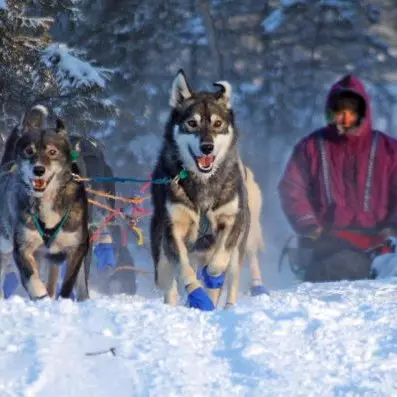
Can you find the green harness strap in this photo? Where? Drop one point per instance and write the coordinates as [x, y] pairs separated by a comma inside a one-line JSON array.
[[49, 235]]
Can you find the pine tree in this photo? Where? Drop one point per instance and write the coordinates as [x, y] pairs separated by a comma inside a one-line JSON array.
[[34, 68]]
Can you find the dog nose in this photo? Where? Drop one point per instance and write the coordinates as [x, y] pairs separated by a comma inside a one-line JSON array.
[[39, 170], [207, 147]]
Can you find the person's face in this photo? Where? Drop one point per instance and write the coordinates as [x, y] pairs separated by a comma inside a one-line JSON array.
[[346, 114], [346, 118]]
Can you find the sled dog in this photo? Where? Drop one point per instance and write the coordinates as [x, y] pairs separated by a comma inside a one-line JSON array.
[[43, 217], [199, 156]]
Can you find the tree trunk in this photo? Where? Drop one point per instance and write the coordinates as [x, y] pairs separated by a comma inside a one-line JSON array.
[[213, 40]]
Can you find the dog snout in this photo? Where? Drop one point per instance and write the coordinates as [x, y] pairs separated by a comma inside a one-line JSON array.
[[207, 147], [38, 170]]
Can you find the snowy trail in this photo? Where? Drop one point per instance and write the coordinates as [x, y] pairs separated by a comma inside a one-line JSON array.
[[326, 340]]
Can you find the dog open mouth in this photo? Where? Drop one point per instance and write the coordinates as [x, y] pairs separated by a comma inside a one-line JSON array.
[[204, 162], [40, 184]]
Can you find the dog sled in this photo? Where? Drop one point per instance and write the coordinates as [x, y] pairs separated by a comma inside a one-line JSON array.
[[349, 255]]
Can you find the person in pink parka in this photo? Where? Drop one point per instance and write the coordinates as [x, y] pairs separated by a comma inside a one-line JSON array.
[[339, 188]]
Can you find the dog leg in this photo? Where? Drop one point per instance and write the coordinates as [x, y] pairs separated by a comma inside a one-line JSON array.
[[28, 270], [74, 265], [214, 294], [254, 269], [171, 294], [197, 296], [166, 280], [255, 242], [52, 281], [82, 284], [182, 219], [5, 264], [257, 287], [214, 273], [233, 279]]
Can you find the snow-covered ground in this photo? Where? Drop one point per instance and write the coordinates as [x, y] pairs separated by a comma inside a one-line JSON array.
[[311, 340]]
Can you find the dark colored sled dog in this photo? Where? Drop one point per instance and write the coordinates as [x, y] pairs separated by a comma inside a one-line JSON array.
[[200, 139], [44, 214]]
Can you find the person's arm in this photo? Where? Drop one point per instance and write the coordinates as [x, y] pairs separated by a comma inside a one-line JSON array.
[[294, 188], [388, 228]]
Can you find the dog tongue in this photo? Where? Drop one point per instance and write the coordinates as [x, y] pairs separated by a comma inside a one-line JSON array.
[[205, 161], [38, 183]]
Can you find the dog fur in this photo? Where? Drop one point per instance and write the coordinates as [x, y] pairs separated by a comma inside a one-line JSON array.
[[255, 240], [37, 194], [200, 137]]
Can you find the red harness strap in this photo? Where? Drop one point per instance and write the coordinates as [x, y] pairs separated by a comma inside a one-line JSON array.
[[363, 241]]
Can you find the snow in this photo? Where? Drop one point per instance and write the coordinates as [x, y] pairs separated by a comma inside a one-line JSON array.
[[336, 339], [36, 23], [72, 71]]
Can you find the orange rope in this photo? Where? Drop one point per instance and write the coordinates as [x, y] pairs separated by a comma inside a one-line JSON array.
[[95, 234], [104, 206], [114, 212], [101, 193], [128, 267]]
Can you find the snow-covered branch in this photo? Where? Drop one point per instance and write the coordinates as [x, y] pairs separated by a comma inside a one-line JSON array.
[[71, 71]]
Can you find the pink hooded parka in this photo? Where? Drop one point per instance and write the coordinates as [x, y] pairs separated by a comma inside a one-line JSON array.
[[342, 181]]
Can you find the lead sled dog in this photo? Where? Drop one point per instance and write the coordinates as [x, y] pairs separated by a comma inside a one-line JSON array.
[[208, 187]]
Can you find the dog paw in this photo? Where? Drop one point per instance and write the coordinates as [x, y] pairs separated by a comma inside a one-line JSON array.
[[211, 282], [39, 298], [259, 290], [198, 299], [58, 294]]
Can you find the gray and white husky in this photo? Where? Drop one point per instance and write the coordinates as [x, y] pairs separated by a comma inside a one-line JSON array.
[[201, 140], [43, 216]]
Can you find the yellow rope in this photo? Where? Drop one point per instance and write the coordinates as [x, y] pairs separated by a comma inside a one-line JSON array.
[[138, 231]]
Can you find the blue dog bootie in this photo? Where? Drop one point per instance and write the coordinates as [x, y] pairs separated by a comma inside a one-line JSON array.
[[211, 282], [257, 290], [198, 299], [104, 253], [10, 284]]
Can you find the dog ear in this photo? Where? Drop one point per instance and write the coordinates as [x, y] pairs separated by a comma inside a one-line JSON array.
[[35, 118], [224, 95], [180, 90], [60, 127]]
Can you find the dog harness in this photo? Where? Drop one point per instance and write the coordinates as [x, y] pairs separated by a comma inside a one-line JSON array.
[[49, 235]]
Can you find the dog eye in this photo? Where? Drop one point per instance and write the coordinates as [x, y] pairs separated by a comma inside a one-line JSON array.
[[218, 124], [192, 123], [29, 151]]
